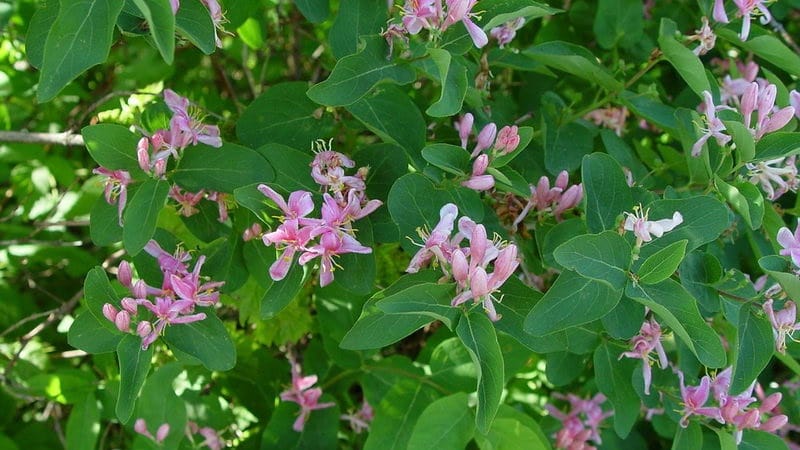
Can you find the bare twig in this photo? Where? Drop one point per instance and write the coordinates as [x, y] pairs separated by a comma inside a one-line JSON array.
[[66, 138]]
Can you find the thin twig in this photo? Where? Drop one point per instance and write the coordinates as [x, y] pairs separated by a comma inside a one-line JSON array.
[[66, 138]]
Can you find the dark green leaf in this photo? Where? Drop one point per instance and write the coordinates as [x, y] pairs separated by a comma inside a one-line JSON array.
[[445, 424], [397, 414], [613, 378], [207, 340], [604, 257], [319, 432], [314, 10], [83, 426], [753, 350], [607, 193], [766, 45], [161, 23], [104, 226], [498, 12], [38, 28], [222, 169], [779, 268], [745, 199], [356, 18], [194, 22], [112, 146], [618, 22], [282, 292], [286, 162], [777, 145], [689, 437], [477, 333], [92, 336], [761, 440], [574, 60], [429, 299], [97, 291], [134, 364], [688, 65], [662, 264], [450, 158], [453, 78], [141, 214]]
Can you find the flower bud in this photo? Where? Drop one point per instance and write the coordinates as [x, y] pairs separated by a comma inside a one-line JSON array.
[[480, 165], [130, 305], [774, 423], [160, 168], [485, 138], [124, 274], [719, 12], [143, 154], [139, 289], [110, 312], [460, 267], [769, 403], [140, 426], [162, 433], [464, 128], [123, 321], [143, 329], [562, 180], [748, 103], [507, 139]]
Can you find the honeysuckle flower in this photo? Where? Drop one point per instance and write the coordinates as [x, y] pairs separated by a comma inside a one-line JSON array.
[[303, 394], [189, 287], [116, 188], [186, 200], [648, 339], [719, 12], [794, 101], [705, 37], [645, 229], [774, 181], [555, 200], [747, 8], [252, 232], [186, 122], [506, 32], [480, 181], [769, 120], [289, 238], [175, 4], [217, 17], [419, 14], [485, 139], [581, 424], [784, 322], [168, 312], [124, 274], [715, 126], [461, 10], [611, 117], [331, 244], [694, 400], [222, 205], [140, 426], [434, 244], [360, 420], [299, 206], [507, 140], [169, 264], [464, 128], [790, 243]]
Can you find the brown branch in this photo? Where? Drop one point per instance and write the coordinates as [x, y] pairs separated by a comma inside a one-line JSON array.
[[25, 137]]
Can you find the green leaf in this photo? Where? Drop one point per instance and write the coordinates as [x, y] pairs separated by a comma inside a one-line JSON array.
[[766, 45], [445, 424], [450, 158], [761, 440], [221, 169], [572, 300], [38, 28], [746, 199], [651, 109], [743, 138], [397, 414], [565, 145], [678, 309], [779, 268], [97, 291], [251, 34], [112, 146], [159, 404], [603, 257], [753, 350], [689, 437], [356, 18], [428, 299], [315, 11], [161, 22], [415, 202], [477, 333], [618, 22], [452, 367], [87, 333], [354, 75], [394, 117], [513, 430], [134, 364], [141, 214], [498, 12], [607, 193], [618, 322], [319, 432], [704, 219], [574, 60], [83, 426], [453, 78], [282, 292], [376, 329], [613, 378], [207, 340], [777, 145], [79, 38], [194, 22], [685, 62], [284, 115], [286, 163], [662, 264], [104, 226]]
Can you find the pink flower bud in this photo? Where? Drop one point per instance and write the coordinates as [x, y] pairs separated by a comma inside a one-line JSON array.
[[562, 180], [507, 139], [143, 329], [479, 183], [460, 267], [123, 321], [143, 154], [748, 103], [480, 164], [485, 138], [774, 423], [130, 305], [140, 426], [479, 282], [139, 289], [162, 432], [124, 274], [464, 128], [766, 101], [719, 12], [110, 312], [160, 168], [769, 403], [794, 100], [776, 121]]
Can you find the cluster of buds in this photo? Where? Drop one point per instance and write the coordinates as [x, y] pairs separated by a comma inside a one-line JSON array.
[[303, 394], [611, 117], [140, 426], [581, 424], [648, 339], [360, 420], [344, 202], [490, 141], [185, 128], [468, 266], [173, 303], [735, 410], [187, 201], [555, 201], [746, 9], [214, 10], [435, 17], [775, 176]]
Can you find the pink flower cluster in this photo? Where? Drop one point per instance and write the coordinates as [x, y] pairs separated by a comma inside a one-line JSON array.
[[185, 127], [489, 140], [344, 202], [555, 201], [188, 200], [140, 426], [775, 176], [432, 15], [467, 265], [731, 409], [173, 303], [303, 394], [611, 117], [648, 339], [581, 424]]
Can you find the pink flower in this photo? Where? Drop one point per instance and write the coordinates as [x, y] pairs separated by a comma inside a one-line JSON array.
[[774, 181], [291, 238], [435, 242], [485, 139], [694, 400], [175, 4], [303, 394], [790, 243], [116, 188], [460, 10], [479, 181], [784, 323], [648, 339], [186, 200], [184, 122], [300, 203], [746, 9], [361, 419], [506, 32], [794, 101], [140, 426], [715, 126], [643, 228], [331, 244], [507, 140], [419, 14]]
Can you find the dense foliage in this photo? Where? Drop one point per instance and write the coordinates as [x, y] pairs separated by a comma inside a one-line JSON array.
[[423, 224]]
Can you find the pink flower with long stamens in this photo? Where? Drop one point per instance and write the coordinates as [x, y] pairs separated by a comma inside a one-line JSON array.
[[183, 121], [419, 14], [331, 244], [116, 188], [299, 206], [291, 238], [784, 322], [435, 244], [648, 339], [645, 229], [186, 200], [303, 394], [506, 32], [694, 400], [715, 126], [461, 10], [747, 8]]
